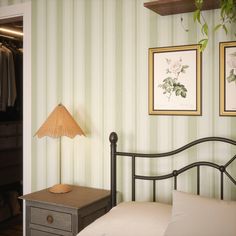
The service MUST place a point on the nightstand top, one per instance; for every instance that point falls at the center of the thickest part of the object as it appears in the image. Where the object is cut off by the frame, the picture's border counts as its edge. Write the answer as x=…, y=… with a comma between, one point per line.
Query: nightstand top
x=79, y=197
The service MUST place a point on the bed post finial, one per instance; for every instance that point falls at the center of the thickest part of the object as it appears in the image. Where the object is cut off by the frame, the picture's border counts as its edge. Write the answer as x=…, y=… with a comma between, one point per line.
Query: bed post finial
x=113, y=140
x=113, y=137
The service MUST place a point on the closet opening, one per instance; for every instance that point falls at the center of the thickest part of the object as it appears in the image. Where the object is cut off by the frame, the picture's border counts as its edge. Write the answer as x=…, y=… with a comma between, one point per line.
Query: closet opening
x=11, y=125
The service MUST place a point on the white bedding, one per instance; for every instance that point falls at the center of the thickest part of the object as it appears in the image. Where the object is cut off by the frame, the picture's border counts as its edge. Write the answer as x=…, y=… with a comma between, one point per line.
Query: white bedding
x=148, y=218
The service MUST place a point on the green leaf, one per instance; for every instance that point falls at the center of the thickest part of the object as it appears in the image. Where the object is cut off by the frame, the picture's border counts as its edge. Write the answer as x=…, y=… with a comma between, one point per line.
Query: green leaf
x=183, y=69
x=228, y=7
x=203, y=43
x=217, y=27
x=223, y=8
x=180, y=90
x=183, y=94
x=198, y=3
x=185, y=66
x=168, y=80
x=231, y=78
x=205, y=29
x=197, y=16
x=225, y=29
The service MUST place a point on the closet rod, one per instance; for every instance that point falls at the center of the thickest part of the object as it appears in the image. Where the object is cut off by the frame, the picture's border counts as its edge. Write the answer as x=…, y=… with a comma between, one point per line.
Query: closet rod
x=10, y=37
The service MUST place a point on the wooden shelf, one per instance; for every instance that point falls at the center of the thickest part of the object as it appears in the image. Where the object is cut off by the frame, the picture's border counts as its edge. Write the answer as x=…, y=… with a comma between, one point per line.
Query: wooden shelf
x=170, y=7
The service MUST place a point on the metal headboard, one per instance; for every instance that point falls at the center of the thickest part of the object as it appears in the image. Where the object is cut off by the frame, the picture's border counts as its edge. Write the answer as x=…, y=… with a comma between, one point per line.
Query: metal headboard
x=222, y=168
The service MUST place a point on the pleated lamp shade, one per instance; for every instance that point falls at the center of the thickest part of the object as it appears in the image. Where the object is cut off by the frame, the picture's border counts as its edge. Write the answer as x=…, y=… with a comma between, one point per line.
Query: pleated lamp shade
x=59, y=123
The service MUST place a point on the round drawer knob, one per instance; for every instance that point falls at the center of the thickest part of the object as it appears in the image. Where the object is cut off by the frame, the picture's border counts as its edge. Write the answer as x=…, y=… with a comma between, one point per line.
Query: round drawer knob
x=49, y=219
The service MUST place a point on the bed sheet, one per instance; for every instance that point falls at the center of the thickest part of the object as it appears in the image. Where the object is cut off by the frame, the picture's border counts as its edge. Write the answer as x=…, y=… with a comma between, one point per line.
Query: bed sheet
x=131, y=219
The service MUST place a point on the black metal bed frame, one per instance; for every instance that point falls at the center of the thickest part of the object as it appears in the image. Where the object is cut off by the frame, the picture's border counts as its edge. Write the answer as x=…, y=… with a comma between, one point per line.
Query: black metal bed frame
x=222, y=168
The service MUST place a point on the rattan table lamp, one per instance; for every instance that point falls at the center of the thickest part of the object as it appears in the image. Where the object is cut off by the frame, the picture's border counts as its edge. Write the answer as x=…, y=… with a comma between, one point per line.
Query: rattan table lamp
x=59, y=123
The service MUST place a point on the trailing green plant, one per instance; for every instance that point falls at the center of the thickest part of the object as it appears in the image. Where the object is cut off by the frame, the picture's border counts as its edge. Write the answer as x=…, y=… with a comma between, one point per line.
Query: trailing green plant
x=227, y=17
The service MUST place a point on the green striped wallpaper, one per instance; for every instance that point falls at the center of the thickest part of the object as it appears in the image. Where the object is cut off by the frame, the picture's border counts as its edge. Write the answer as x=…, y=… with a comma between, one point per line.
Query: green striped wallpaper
x=92, y=55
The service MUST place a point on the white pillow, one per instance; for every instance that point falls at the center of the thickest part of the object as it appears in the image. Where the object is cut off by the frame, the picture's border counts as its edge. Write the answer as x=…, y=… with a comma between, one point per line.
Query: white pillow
x=193, y=215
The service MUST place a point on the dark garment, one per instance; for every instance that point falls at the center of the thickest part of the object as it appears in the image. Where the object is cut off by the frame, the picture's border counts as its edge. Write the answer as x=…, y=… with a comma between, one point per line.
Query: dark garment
x=18, y=59
x=11, y=82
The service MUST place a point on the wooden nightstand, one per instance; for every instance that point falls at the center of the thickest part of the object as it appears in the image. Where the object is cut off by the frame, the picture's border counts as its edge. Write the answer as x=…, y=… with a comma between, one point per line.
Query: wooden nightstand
x=50, y=214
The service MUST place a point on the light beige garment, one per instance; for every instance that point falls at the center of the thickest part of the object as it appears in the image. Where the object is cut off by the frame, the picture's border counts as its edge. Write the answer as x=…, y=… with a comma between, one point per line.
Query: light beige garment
x=11, y=80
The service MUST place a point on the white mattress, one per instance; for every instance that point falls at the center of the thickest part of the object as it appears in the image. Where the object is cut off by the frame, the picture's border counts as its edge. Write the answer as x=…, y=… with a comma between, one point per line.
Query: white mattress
x=131, y=219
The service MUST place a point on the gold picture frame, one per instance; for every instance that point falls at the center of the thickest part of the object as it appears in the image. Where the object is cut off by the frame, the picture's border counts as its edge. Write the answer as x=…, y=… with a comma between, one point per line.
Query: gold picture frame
x=175, y=80
x=227, y=78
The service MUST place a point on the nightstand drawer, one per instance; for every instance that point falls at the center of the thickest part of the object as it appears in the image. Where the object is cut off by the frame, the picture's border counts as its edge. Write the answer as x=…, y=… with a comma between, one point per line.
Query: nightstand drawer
x=34, y=232
x=52, y=219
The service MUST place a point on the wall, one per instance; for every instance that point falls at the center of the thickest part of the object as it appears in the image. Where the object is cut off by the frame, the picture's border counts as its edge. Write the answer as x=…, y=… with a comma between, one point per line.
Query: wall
x=92, y=55
x=11, y=2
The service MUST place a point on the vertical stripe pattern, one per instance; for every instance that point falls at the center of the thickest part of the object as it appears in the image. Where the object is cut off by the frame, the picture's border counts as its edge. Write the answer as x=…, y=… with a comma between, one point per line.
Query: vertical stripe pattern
x=91, y=55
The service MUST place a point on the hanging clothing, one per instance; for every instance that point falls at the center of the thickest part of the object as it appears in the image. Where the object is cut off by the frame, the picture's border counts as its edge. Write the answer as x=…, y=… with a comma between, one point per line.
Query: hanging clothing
x=7, y=81
x=3, y=79
x=10, y=78
x=18, y=59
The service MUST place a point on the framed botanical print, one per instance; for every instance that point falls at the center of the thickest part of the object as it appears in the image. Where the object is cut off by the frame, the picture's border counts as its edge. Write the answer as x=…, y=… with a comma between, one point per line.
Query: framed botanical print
x=175, y=80
x=228, y=78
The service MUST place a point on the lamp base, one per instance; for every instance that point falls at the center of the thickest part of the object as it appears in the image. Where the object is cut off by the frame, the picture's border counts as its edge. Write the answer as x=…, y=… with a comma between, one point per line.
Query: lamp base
x=60, y=188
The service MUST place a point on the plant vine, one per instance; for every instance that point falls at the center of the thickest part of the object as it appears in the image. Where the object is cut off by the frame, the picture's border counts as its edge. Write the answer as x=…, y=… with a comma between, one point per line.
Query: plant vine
x=227, y=16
